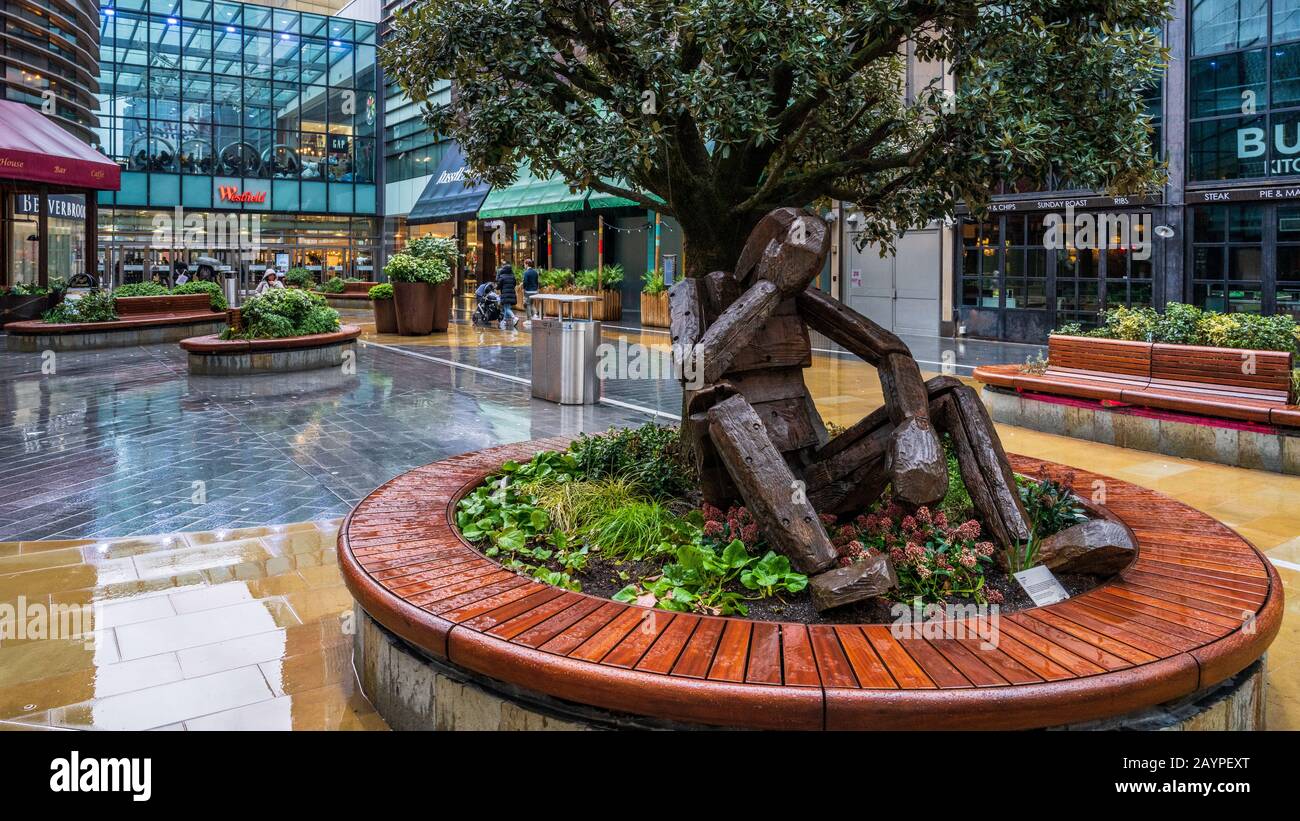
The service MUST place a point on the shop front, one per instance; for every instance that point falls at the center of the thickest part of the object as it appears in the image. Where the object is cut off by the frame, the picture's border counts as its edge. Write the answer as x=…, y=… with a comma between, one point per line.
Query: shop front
x=49, y=181
x=448, y=207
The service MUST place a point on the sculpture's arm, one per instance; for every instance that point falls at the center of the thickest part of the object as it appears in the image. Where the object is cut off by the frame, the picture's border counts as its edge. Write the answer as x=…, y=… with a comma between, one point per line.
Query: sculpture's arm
x=918, y=469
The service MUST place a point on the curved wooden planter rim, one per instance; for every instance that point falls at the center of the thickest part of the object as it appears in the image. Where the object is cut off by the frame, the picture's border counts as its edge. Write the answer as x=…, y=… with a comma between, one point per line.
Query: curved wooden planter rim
x=214, y=344
x=1198, y=605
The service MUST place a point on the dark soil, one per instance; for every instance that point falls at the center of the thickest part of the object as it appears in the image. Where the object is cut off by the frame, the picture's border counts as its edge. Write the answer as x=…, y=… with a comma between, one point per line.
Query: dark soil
x=604, y=578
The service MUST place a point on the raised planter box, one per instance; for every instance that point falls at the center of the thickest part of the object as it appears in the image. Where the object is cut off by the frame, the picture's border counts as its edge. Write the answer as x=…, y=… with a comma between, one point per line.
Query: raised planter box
x=608, y=308
x=142, y=320
x=448, y=638
x=654, y=310
x=385, y=316
x=213, y=356
x=25, y=308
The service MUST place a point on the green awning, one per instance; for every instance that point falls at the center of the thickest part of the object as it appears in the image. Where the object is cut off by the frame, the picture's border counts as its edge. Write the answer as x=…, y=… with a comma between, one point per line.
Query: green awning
x=599, y=199
x=530, y=195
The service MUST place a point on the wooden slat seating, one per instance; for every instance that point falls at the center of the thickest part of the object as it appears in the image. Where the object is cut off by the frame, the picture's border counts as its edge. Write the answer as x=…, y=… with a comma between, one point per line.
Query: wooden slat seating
x=1252, y=386
x=134, y=312
x=1198, y=605
x=354, y=291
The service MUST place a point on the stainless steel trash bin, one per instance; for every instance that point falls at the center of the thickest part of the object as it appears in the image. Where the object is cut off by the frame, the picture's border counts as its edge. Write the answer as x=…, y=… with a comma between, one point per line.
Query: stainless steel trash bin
x=564, y=351
x=230, y=286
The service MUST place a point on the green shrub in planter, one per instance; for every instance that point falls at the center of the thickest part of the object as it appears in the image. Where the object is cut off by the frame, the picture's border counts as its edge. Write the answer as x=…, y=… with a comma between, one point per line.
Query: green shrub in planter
x=381, y=291
x=299, y=278
x=443, y=249
x=408, y=268
x=333, y=285
x=592, y=279
x=93, y=306
x=1188, y=325
x=199, y=286
x=140, y=289
x=282, y=312
x=652, y=282
x=555, y=279
x=28, y=289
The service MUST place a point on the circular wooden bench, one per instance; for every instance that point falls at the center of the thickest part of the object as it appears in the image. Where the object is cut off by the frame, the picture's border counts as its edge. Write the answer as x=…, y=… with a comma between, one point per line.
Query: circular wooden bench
x=1197, y=606
x=213, y=356
x=143, y=320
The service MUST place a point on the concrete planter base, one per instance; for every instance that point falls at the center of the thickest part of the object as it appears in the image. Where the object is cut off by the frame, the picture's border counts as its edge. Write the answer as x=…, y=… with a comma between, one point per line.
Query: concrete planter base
x=211, y=356
x=1236, y=444
x=116, y=338
x=414, y=691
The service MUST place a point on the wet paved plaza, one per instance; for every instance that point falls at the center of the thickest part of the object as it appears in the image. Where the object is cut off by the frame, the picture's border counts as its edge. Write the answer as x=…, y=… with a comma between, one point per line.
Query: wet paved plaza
x=200, y=514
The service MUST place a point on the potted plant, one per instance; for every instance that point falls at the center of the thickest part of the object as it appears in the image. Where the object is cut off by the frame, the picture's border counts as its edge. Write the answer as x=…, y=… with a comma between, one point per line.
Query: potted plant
x=381, y=299
x=416, y=282
x=28, y=301
x=654, y=300
x=604, y=283
x=298, y=278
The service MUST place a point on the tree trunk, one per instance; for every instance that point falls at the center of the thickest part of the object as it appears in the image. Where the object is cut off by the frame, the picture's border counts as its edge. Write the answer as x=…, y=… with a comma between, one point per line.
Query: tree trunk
x=712, y=244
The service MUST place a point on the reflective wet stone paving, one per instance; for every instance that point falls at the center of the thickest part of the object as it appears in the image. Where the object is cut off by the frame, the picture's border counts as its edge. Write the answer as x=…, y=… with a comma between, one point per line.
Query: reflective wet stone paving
x=220, y=604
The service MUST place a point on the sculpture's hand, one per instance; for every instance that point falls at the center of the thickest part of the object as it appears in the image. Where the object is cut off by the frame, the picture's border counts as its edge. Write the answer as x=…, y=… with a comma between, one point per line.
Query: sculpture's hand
x=918, y=470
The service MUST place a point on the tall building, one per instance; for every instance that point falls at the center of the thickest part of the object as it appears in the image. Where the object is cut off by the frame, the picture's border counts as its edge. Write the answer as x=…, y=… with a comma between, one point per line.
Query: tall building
x=225, y=108
x=49, y=58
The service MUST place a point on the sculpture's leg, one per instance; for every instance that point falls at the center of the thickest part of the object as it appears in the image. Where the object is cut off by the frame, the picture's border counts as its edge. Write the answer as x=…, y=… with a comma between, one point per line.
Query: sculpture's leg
x=850, y=472
x=768, y=487
x=984, y=468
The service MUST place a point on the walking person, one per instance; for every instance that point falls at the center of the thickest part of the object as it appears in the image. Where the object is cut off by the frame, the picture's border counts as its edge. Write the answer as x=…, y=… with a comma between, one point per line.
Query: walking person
x=506, y=284
x=532, y=284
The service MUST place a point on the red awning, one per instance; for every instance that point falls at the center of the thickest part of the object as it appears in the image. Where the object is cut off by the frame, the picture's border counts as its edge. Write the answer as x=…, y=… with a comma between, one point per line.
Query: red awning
x=34, y=148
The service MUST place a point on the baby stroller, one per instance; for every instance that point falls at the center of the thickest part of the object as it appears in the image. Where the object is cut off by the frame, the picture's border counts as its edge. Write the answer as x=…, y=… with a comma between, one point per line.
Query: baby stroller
x=488, y=311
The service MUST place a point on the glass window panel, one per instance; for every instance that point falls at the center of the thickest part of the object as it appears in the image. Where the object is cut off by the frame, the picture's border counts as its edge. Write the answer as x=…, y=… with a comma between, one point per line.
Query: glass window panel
x=1286, y=76
x=196, y=53
x=1218, y=84
x=1245, y=223
x=365, y=32
x=1015, y=230
x=257, y=17
x=1207, y=262
x=164, y=94
x=226, y=13
x=1245, y=264
x=197, y=9
x=340, y=60
x=1036, y=293
x=285, y=21
x=196, y=98
x=257, y=104
x=1209, y=224
x=314, y=25
x=164, y=7
x=1117, y=263
x=1228, y=149
x=286, y=61
x=284, y=100
x=227, y=100
x=311, y=148
x=196, y=152
x=340, y=29
x=283, y=160
x=315, y=55
x=1285, y=149
x=227, y=50
x=363, y=163
x=1223, y=25
x=1286, y=20
x=258, y=50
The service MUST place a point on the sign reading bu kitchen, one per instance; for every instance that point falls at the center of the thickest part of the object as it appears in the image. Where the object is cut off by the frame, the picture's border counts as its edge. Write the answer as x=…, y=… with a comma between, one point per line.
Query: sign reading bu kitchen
x=230, y=193
x=1251, y=143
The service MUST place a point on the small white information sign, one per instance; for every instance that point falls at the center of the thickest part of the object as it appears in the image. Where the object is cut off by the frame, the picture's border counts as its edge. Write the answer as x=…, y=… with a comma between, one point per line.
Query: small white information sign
x=1041, y=586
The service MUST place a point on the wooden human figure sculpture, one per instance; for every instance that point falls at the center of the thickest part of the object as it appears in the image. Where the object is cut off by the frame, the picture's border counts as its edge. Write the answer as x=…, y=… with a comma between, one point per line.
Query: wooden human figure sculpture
x=755, y=434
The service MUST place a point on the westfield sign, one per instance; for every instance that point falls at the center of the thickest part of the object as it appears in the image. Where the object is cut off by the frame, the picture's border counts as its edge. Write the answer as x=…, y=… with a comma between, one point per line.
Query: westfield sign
x=229, y=193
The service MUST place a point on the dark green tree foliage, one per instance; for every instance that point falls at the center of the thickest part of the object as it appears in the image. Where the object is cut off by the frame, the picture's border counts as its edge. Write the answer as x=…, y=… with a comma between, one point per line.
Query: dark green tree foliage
x=725, y=109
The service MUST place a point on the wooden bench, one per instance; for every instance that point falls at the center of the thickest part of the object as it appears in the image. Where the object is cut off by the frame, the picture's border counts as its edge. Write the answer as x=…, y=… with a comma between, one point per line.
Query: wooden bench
x=1251, y=386
x=351, y=296
x=141, y=320
x=1198, y=605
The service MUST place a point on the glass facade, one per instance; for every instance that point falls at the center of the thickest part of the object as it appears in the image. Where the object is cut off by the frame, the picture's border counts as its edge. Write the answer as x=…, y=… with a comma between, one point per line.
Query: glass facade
x=47, y=59
x=1244, y=89
x=238, y=106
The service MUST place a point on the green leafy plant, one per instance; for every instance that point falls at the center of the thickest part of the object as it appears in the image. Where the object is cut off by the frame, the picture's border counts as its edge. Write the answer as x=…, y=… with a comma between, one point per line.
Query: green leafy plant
x=381, y=291
x=216, y=298
x=697, y=580
x=410, y=268
x=571, y=504
x=333, y=285
x=591, y=279
x=956, y=502
x=652, y=282
x=92, y=306
x=28, y=289
x=771, y=575
x=442, y=250
x=140, y=289
x=283, y=312
x=650, y=455
x=1182, y=324
x=1036, y=364
x=1051, y=506
x=555, y=279
x=299, y=277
